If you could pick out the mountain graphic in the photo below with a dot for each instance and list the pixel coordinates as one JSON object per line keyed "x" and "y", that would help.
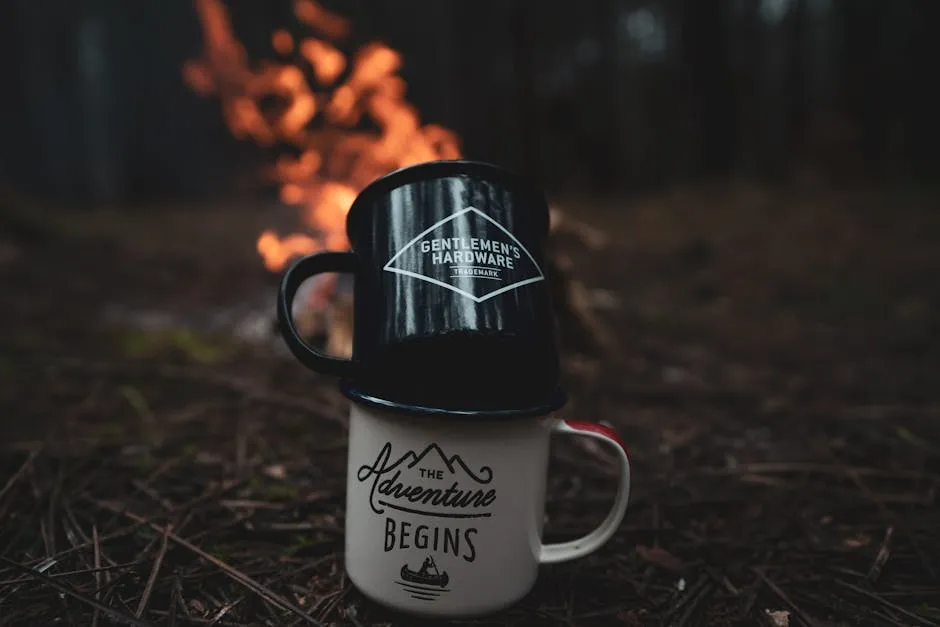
{"x": 469, "y": 253}
{"x": 411, "y": 459}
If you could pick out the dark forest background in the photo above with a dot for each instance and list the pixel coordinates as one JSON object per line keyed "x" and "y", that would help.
{"x": 603, "y": 96}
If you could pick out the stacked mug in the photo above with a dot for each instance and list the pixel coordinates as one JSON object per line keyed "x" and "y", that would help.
{"x": 454, "y": 385}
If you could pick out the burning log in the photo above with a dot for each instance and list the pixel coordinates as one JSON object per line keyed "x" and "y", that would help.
{"x": 323, "y": 314}
{"x": 562, "y": 223}
{"x": 575, "y": 310}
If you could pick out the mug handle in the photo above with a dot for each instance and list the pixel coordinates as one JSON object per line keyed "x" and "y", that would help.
{"x": 574, "y": 549}
{"x": 296, "y": 274}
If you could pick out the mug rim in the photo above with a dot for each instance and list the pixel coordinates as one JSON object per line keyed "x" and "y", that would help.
{"x": 441, "y": 168}
{"x": 558, "y": 400}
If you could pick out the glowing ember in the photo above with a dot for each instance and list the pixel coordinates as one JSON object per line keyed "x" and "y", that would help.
{"x": 322, "y": 123}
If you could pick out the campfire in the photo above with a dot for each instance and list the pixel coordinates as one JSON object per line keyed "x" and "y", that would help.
{"x": 342, "y": 120}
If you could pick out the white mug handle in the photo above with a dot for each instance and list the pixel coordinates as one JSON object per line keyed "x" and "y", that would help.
{"x": 574, "y": 549}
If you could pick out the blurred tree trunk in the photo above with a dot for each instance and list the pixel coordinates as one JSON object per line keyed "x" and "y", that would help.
{"x": 448, "y": 110}
{"x": 894, "y": 71}
{"x": 98, "y": 87}
{"x": 923, "y": 98}
{"x": 821, "y": 134}
{"x": 863, "y": 98}
{"x": 621, "y": 108}
{"x": 773, "y": 81}
{"x": 705, "y": 33}
{"x": 819, "y": 60}
{"x": 744, "y": 42}
{"x": 44, "y": 38}
{"x": 524, "y": 74}
{"x": 632, "y": 135}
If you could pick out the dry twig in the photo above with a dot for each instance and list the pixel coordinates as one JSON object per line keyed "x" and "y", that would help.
{"x": 806, "y": 618}
{"x": 120, "y": 617}
{"x": 235, "y": 574}
{"x": 153, "y": 572}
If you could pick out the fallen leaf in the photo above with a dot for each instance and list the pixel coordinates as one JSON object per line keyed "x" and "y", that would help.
{"x": 660, "y": 557}
{"x": 275, "y": 471}
{"x": 857, "y": 541}
{"x": 779, "y": 618}
{"x": 8, "y": 253}
{"x": 631, "y": 617}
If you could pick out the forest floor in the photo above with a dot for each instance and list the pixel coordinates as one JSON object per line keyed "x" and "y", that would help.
{"x": 775, "y": 373}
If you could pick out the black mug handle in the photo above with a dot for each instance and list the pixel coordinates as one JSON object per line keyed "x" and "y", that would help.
{"x": 296, "y": 274}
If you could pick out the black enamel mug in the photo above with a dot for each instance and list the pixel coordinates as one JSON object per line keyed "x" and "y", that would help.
{"x": 451, "y": 311}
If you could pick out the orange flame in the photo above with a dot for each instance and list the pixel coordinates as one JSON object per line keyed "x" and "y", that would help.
{"x": 336, "y": 160}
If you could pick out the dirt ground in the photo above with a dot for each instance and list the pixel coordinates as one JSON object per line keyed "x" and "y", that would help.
{"x": 773, "y": 366}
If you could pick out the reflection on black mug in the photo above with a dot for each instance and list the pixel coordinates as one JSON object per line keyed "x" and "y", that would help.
{"x": 452, "y": 311}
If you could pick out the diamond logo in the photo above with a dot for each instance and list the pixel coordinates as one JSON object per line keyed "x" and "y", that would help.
{"x": 469, "y": 253}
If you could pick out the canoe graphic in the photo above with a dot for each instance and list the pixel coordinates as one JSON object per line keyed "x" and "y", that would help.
{"x": 424, "y": 575}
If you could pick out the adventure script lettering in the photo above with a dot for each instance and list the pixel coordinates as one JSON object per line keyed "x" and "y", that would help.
{"x": 469, "y": 253}
{"x": 417, "y": 493}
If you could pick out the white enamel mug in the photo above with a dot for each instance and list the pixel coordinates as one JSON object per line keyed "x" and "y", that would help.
{"x": 444, "y": 516}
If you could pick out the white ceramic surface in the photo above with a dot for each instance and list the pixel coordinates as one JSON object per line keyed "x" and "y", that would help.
{"x": 444, "y": 517}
